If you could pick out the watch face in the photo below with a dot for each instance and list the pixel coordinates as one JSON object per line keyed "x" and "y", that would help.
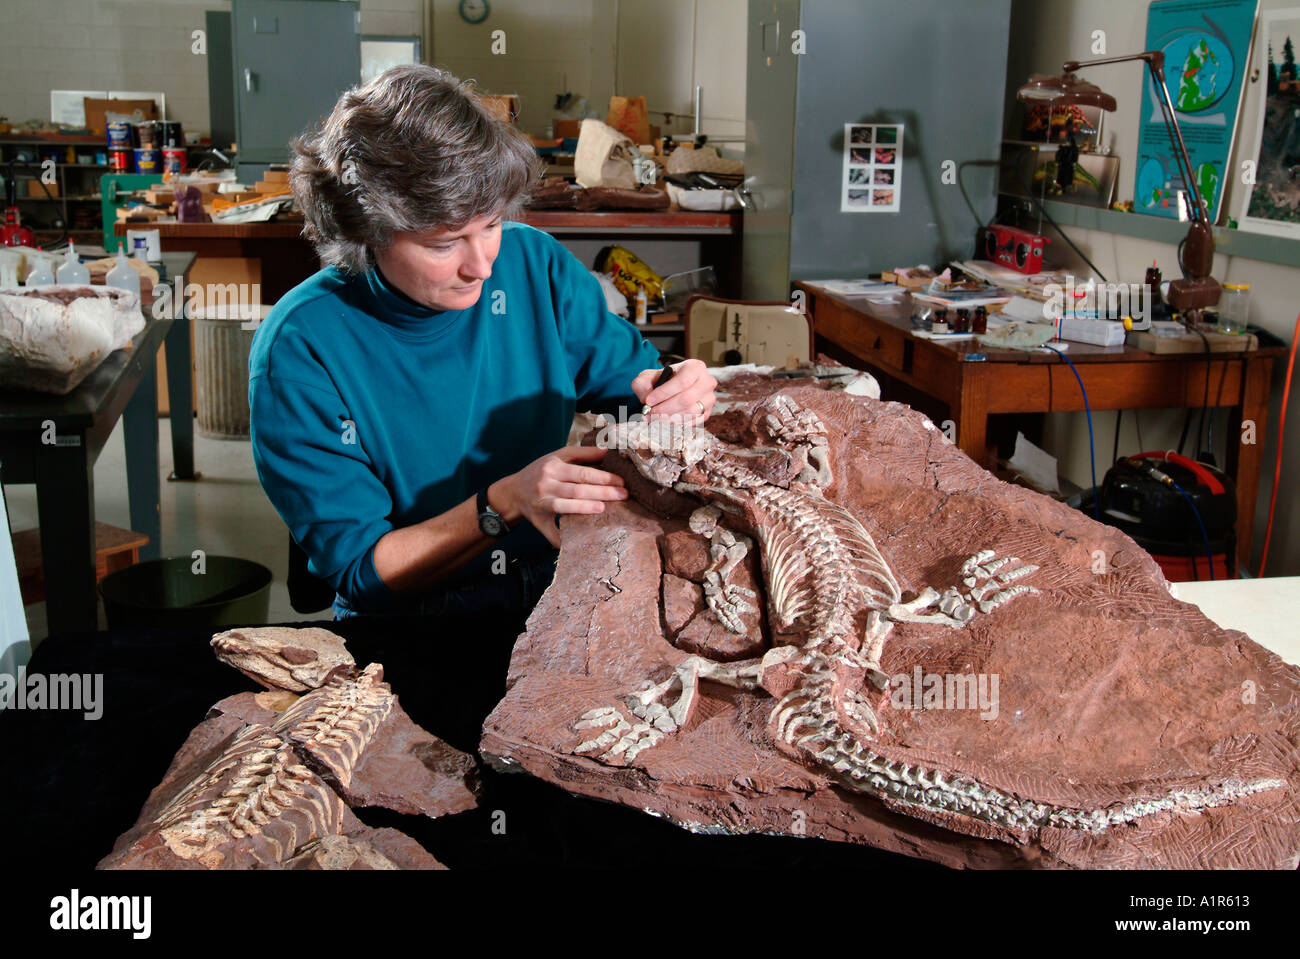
{"x": 491, "y": 525}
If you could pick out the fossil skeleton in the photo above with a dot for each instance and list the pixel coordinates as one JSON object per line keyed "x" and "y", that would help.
{"x": 824, "y": 573}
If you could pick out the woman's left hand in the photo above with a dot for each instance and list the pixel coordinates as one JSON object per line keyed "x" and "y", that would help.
{"x": 688, "y": 395}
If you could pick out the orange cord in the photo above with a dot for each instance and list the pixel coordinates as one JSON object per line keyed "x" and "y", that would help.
{"x": 1281, "y": 428}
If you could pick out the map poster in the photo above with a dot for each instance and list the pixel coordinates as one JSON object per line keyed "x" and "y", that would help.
{"x": 1206, "y": 44}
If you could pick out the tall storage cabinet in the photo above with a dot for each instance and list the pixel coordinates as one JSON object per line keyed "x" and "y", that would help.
{"x": 292, "y": 59}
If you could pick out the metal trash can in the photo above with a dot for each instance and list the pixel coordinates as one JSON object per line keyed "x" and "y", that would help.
{"x": 221, "y": 347}
{"x": 169, "y": 593}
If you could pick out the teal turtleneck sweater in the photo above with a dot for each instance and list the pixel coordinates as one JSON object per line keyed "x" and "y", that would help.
{"x": 371, "y": 412}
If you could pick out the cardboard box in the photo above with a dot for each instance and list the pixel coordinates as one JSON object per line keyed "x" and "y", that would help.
{"x": 629, "y": 116}
{"x": 566, "y": 128}
{"x": 95, "y": 110}
{"x": 34, "y": 188}
{"x": 502, "y": 106}
{"x": 267, "y": 186}
{"x": 276, "y": 176}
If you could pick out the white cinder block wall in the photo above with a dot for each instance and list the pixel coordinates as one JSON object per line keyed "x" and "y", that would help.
{"x": 1043, "y": 36}
{"x": 103, "y": 45}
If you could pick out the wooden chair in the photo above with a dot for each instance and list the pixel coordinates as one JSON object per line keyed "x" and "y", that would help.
{"x": 115, "y": 548}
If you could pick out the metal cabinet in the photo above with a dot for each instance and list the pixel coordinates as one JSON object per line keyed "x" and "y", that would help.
{"x": 292, "y": 59}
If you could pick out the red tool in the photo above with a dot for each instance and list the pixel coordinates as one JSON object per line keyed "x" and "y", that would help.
{"x": 1016, "y": 248}
{"x": 13, "y": 233}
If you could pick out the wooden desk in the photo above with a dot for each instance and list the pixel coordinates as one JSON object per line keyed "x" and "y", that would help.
{"x": 880, "y": 338}
{"x": 123, "y": 386}
{"x": 288, "y": 259}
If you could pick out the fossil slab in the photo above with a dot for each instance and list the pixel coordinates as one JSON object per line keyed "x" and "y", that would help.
{"x": 269, "y": 780}
{"x": 281, "y": 657}
{"x": 951, "y": 667}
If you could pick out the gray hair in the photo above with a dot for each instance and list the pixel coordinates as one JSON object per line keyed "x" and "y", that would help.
{"x": 412, "y": 150}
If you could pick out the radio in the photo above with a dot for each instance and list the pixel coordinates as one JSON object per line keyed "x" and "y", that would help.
{"x": 1018, "y": 249}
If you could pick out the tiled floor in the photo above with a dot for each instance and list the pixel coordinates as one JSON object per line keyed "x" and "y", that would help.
{"x": 223, "y": 513}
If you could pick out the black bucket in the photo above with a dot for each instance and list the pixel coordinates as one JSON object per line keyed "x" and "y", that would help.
{"x": 167, "y": 592}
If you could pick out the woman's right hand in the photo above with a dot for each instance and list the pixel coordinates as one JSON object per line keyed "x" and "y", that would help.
{"x": 558, "y": 482}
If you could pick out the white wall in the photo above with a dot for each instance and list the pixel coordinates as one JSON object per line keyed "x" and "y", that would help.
{"x": 550, "y": 46}
{"x": 1043, "y": 36}
{"x": 659, "y": 49}
{"x": 667, "y": 47}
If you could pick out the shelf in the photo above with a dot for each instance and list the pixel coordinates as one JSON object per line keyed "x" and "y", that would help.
{"x": 53, "y": 139}
{"x": 1229, "y": 242}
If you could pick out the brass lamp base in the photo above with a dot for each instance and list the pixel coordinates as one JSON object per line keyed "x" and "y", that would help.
{"x": 1187, "y": 295}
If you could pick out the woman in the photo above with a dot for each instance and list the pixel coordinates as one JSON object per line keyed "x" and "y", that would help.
{"x": 411, "y": 401}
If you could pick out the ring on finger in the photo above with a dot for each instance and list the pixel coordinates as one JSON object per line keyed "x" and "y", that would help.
{"x": 700, "y": 404}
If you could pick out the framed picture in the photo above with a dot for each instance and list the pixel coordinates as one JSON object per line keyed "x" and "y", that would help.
{"x": 1272, "y": 204}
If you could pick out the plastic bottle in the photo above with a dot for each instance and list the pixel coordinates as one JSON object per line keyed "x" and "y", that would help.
{"x": 41, "y": 274}
{"x": 73, "y": 271}
{"x": 122, "y": 276}
{"x": 640, "y": 307}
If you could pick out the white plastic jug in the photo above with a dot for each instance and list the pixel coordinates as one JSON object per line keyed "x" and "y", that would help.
{"x": 41, "y": 274}
{"x": 122, "y": 276}
{"x": 73, "y": 271}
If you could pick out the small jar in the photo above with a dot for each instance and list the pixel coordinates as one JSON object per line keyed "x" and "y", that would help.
{"x": 963, "y": 322}
{"x": 939, "y": 320}
{"x": 980, "y": 321}
{"x": 1234, "y": 307}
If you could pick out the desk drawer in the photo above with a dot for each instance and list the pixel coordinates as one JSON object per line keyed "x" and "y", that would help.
{"x": 875, "y": 342}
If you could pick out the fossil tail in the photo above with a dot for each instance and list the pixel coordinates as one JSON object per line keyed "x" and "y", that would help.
{"x": 809, "y": 720}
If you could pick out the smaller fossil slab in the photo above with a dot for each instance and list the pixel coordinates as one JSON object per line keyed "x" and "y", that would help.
{"x": 237, "y": 797}
{"x": 268, "y": 779}
{"x": 280, "y": 657}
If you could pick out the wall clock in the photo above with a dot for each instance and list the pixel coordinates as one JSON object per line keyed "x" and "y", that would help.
{"x": 474, "y": 11}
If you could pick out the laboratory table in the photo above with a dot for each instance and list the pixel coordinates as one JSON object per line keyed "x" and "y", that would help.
{"x": 123, "y": 387}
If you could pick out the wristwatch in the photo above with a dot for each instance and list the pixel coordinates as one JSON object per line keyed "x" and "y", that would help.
{"x": 489, "y": 520}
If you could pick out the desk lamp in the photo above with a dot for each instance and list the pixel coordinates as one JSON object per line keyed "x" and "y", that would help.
{"x": 1197, "y": 289}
